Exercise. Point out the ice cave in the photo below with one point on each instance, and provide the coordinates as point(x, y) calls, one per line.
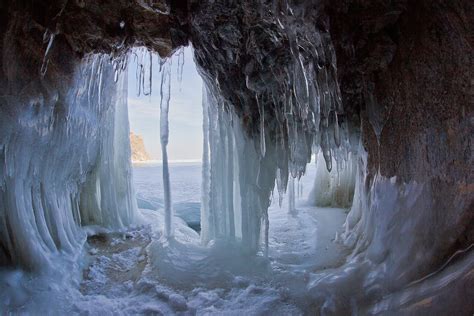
point(335, 175)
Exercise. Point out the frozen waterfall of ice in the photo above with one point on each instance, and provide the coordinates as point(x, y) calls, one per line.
point(66, 163)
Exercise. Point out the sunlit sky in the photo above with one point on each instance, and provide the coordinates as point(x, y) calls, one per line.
point(185, 113)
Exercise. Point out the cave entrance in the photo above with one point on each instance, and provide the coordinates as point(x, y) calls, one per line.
point(302, 226)
point(185, 135)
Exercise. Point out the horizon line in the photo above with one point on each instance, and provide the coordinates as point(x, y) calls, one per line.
point(176, 161)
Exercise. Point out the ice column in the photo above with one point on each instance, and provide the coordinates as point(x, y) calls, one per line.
point(291, 196)
point(205, 186)
point(221, 142)
point(164, 134)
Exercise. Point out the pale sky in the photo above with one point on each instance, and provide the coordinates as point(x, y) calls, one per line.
point(185, 113)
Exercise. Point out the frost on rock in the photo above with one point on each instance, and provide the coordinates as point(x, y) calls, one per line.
point(65, 161)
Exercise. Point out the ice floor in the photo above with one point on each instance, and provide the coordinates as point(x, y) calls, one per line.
point(138, 271)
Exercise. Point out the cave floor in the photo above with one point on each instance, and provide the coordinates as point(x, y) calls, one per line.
point(138, 271)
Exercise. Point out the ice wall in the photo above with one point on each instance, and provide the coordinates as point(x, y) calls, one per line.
point(65, 160)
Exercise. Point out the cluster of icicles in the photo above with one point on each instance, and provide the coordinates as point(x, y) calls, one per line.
point(64, 168)
point(299, 116)
point(144, 73)
point(237, 178)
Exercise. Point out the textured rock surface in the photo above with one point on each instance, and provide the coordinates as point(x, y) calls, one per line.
point(137, 146)
point(105, 26)
point(408, 67)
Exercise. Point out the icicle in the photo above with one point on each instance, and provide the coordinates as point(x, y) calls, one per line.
point(229, 169)
point(280, 187)
point(267, 228)
point(100, 74)
point(180, 66)
point(326, 150)
point(48, 37)
point(147, 90)
point(291, 196)
point(144, 71)
point(262, 127)
point(139, 71)
point(337, 136)
point(280, 24)
point(301, 89)
point(164, 135)
point(205, 187)
point(299, 189)
point(90, 82)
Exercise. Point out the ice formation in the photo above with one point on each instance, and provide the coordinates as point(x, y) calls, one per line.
point(144, 71)
point(264, 131)
point(336, 187)
point(238, 181)
point(291, 196)
point(38, 217)
point(164, 136)
point(205, 185)
point(272, 99)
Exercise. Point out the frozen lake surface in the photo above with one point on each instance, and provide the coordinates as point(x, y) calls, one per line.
point(185, 179)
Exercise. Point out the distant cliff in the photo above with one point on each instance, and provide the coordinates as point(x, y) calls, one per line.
point(139, 152)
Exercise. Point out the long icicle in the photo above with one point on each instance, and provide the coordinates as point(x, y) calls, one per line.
point(291, 195)
point(164, 135)
point(205, 188)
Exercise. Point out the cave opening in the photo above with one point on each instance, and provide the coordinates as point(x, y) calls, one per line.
point(327, 193)
point(303, 220)
point(185, 124)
